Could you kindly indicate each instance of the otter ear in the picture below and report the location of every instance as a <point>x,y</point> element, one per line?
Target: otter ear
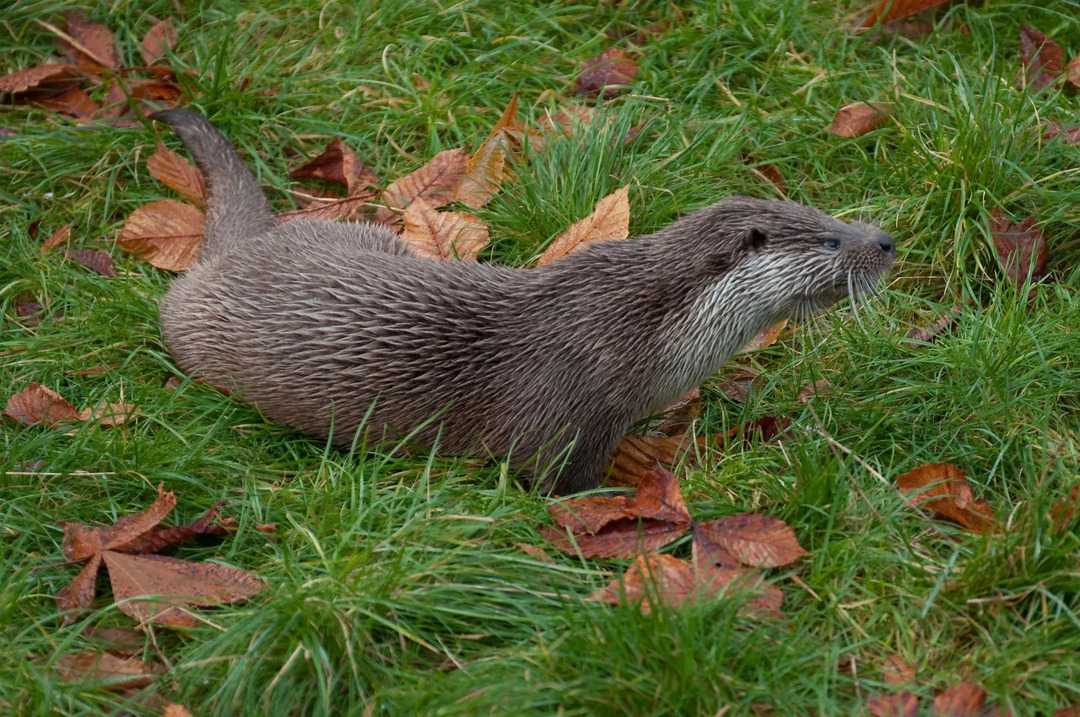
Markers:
<point>754,238</point>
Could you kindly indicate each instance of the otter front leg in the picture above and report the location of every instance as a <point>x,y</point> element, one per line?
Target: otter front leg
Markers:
<point>583,468</point>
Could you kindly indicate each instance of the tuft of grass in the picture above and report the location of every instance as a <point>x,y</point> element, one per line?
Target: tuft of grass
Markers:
<point>396,583</point>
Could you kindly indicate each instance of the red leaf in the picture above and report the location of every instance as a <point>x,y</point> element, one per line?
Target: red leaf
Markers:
<point>889,10</point>
<point>93,42</point>
<point>38,404</point>
<point>898,704</point>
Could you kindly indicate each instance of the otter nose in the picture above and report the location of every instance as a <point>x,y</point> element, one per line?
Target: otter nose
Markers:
<point>886,243</point>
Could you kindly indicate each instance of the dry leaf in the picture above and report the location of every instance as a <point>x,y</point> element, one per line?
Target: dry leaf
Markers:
<point>534,551</point>
<point>1021,248</point>
<point>435,182</point>
<point>94,44</point>
<point>755,540</point>
<point>1072,71</point>
<point>118,673</point>
<point>79,593</point>
<point>73,102</point>
<point>896,671</point>
<point>109,414</point>
<point>821,387</point>
<point>32,311</point>
<point>337,164</point>
<point>38,404</point>
<point>487,167</point>
<point>443,235</point>
<point>569,118</point>
<point>1041,57</point>
<point>889,10</point>
<point>858,118</point>
<point>57,238</point>
<point>610,219</point>
<point>177,173</point>
<point>679,416</point>
<point>943,489</point>
<point>621,527</point>
<point>921,335</point>
<point>166,233</point>
<point>93,259</point>
<point>766,338</point>
<point>607,74</point>
<point>46,78</point>
<point>767,429</point>
<point>898,704</point>
<point>174,710</point>
<point>964,700</point>
<point>331,210</point>
<point>637,455</point>
<point>157,41</point>
<point>117,640</point>
<point>1053,128</point>
<point>1064,511</point>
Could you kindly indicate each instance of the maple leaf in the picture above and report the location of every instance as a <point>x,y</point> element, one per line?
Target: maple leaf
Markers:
<point>177,173</point>
<point>443,235</point>
<point>756,540</point>
<point>889,10</point>
<point>157,41</point>
<point>943,489</point>
<point>165,233</point>
<point>1021,248</point>
<point>621,527</point>
<point>338,164</point>
<point>487,166</point>
<point>1041,57</point>
<point>607,74</point>
<point>858,118</point>
<point>610,219</point>
<point>436,182</point>
<point>637,455</point>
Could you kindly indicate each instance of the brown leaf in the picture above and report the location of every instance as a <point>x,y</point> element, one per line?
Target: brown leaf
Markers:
<point>767,429</point>
<point>534,551</point>
<point>93,42</point>
<point>73,102</point>
<point>889,10</point>
<point>610,219</point>
<point>37,404</point>
<point>943,489</point>
<point>569,118</point>
<point>337,164</point>
<point>181,583</point>
<point>1041,57</point>
<point>487,167</point>
<point>57,238</point>
<point>435,182</point>
<point>157,41</point>
<point>177,173</point>
<point>164,91</point>
<point>333,209</point>
<point>707,553</point>
<point>964,700</point>
<point>174,710</point>
<point>1072,71</point>
<point>117,673</point>
<point>94,370</point>
<point>898,704</point>
<point>158,539</point>
<point>46,78</point>
<point>1021,248</point>
<point>766,338</point>
<point>79,593</point>
<point>858,118</point>
<point>896,671</point>
<point>609,527</point>
<point>83,543</point>
<point>607,74</point>
<point>117,640</point>
<point>166,233</point>
<point>756,540</point>
<point>821,387</point>
<point>921,335</point>
<point>32,311</point>
<point>1073,711</point>
<point>679,416</point>
<point>109,414</point>
<point>443,235</point>
<point>1064,511</point>
<point>637,455</point>
<point>93,259</point>
<point>1053,128</point>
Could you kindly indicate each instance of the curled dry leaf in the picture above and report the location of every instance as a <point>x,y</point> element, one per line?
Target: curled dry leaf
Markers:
<point>45,78</point>
<point>57,238</point>
<point>337,164</point>
<point>760,541</point>
<point>436,182</point>
<point>607,74</point>
<point>177,173</point>
<point>157,41</point>
<point>165,233</point>
<point>610,219</point>
<point>898,704</point>
<point>922,335</point>
<point>92,44</point>
<point>443,235</point>
<point>93,259</point>
<point>1020,247</point>
<point>766,338</point>
<point>486,169</point>
<point>621,527</point>
<point>942,488</point>
<point>1042,58</point>
<point>116,673</point>
<point>964,700</point>
<point>38,404</point>
<point>889,10</point>
<point>858,118</point>
<point>73,102</point>
<point>637,455</point>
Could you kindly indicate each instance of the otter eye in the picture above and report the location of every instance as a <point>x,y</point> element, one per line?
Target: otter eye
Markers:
<point>832,244</point>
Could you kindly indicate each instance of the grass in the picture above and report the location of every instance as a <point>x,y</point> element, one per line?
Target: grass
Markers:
<point>397,587</point>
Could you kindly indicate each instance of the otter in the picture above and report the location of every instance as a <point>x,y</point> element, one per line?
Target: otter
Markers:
<point>339,328</point>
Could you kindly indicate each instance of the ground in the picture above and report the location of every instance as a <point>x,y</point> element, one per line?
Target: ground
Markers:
<point>396,585</point>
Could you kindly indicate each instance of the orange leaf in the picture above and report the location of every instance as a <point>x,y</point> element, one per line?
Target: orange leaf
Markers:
<point>58,237</point>
<point>610,219</point>
<point>858,118</point>
<point>607,74</point>
<point>157,41</point>
<point>94,44</point>
<point>166,233</point>
<point>443,235</point>
<point>898,704</point>
<point>889,10</point>
<point>435,182</point>
<point>766,338</point>
<point>174,710</point>
<point>755,540</point>
<point>943,489</point>
<point>964,700</point>
<point>338,164</point>
<point>486,169</point>
<point>117,673</point>
<point>637,455</point>
<point>177,173</point>
<point>37,404</point>
<point>45,77</point>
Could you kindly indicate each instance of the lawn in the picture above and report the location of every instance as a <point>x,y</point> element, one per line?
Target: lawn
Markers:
<point>397,584</point>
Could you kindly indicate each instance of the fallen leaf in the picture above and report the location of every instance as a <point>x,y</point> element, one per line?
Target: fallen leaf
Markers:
<point>337,164</point>
<point>766,338</point>
<point>158,539</point>
<point>769,173</point>
<point>1064,511</point>
<point>738,382</point>
<point>93,259</point>
<point>158,40</point>
<point>858,118</point>
<point>821,387</point>
<point>57,238</point>
<point>915,30</point>
<point>534,551</point>
<point>1021,248</point>
<point>93,42</point>
<point>1053,128</point>
<point>117,640</point>
<point>443,235</point>
<point>73,102</point>
<point>38,404</point>
<point>116,673</point>
<point>760,541</point>
<point>108,414</point>
<point>896,671</point>
<point>1073,711</point>
<point>679,416</point>
<point>79,593</point>
<point>330,210</point>
<point>47,78</point>
<point>569,118</point>
<point>165,233</point>
<point>898,704</point>
<point>637,455</point>
<point>964,700</point>
<point>767,429</point>
<point>921,335</point>
<point>889,10</point>
<point>435,182</point>
<point>1072,71</point>
<point>943,489</point>
<point>607,74</point>
<point>708,553</point>
<point>610,219</point>
<point>82,543</point>
<point>32,311</point>
<point>177,173</point>
<point>161,90</point>
<point>1041,57</point>
<point>487,166</point>
<point>174,710</point>
<point>621,527</point>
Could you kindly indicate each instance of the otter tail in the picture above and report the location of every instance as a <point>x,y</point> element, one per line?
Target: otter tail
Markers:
<point>236,207</point>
